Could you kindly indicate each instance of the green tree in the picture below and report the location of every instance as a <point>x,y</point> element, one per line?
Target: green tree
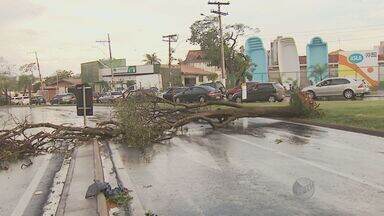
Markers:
<point>205,33</point>
<point>317,72</point>
<point>7,84</point>
<point>63,74</point>
<point>151,59</point>
<point>24,82</point>
<point>60,74</point>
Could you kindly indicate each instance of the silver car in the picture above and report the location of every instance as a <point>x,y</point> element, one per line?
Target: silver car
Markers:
<point>349,88</point>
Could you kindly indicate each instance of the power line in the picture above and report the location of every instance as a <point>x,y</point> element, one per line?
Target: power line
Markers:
<point>220,13</point>
<point>170,39</point>
<point>110,56</point>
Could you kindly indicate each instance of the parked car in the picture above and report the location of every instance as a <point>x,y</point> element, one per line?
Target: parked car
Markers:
<point>24,100</point>
<point>349,88</point>
<point>232,91</point>
<point>4,100</point>
<point>171,92</point>
<point>109,97</point>
<point>67,98</point>
<point>16,100</point>
<point>216,85</point>
<point>198,94</point>
<point>38,100</point>
<point>270,91</point>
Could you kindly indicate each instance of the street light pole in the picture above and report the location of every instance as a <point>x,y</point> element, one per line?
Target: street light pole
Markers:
<point>220,13</point>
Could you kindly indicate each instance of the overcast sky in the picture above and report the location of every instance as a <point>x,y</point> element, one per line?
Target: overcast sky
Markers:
<point>64,31</point>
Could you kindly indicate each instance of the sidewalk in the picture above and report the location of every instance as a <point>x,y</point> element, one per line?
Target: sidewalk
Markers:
<point>80,176</point>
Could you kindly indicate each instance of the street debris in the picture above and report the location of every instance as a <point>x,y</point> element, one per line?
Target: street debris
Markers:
<point>4,165</point>
<point>278,141</point>
<point>28,163</point>
<point>118,195</point>
<point>38,193</point>
<point>139,120</point>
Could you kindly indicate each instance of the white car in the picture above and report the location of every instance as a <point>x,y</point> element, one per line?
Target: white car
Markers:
<point>25,100</point>
<point>16,100</point>
<point>109,97</point>
<point>349,88</point>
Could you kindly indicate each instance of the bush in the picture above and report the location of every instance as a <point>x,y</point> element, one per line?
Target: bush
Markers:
<point>381,86</point>
<point>136,124</point>
<point>304,104</point>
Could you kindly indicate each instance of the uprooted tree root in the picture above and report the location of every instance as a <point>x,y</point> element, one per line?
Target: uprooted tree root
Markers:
<point>139,121</point>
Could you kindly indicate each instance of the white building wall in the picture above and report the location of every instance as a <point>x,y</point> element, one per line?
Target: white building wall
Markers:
<point>143,81</point>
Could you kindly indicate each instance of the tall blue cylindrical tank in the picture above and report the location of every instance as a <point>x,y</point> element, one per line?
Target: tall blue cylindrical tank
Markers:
<point>317,57</point>
<point>255,51</point>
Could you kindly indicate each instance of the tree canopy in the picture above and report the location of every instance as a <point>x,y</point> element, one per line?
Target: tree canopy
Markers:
<point>151,59</point>
<point>60,74</point>
<point>205,33</point>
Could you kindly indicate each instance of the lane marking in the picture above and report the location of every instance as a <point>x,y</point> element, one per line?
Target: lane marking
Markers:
<point>351,177</point>
<point>24,201</point>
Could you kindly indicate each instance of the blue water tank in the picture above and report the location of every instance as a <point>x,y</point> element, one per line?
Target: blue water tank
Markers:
<point>255,51</point>
<point>317,55</point>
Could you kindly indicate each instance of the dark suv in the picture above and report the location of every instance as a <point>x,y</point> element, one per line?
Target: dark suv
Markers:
<point>198,94</point>
<point>271,92</point>
<point>66,98</point>
<point>216,85</point>
<point>171,92</point>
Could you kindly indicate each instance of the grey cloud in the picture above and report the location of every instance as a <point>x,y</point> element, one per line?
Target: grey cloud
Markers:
<point>12,11</point>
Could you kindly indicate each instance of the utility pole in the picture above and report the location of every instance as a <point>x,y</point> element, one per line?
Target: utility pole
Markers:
<point>170,39</point>
<point>220,13</point>
<point>110,57</point>
<point>38,68</point>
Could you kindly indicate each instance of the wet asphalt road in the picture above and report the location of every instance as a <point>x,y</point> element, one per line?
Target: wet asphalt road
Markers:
<point>19,186</point>
<point>248,169</point>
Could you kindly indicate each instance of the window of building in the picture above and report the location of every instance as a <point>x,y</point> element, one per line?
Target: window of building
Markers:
<point>201,78</point>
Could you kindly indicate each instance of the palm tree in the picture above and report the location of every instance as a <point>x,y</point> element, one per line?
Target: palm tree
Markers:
<point>317,72</point>
<point>151,59</point>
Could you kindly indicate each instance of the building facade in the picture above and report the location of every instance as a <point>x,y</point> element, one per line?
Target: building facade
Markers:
<point>145,76</point>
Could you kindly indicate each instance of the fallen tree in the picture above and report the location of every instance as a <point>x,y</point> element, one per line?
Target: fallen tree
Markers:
<point>139,120</point>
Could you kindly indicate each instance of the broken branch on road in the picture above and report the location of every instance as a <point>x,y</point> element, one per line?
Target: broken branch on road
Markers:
<point>138,121</point>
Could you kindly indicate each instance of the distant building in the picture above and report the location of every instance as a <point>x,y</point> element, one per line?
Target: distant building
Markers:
<point>145,76</point>
<point>273,54</point>
<point>90,70</point>
<point>195,58</point>
<point>191,76</point>
<point>380,48</point>
<point>60,87</point>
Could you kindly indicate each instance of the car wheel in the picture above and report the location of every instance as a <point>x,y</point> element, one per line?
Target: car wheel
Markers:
<point>177,100</point>
<point>311,94</point>
<point>202,100</point>
<point>238,100</point>
<point>349,94</point>
<point>272,99</point>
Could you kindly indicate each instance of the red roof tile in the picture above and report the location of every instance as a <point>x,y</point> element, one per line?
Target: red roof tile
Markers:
<point>194,56</point>
<point>190,70</point>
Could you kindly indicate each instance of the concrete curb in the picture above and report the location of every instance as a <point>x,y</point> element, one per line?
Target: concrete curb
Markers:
<point>102,208</point>
<point>124,180</point>
<point>338,127</point>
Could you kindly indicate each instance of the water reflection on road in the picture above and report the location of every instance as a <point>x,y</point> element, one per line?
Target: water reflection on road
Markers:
<point>243,170</point>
